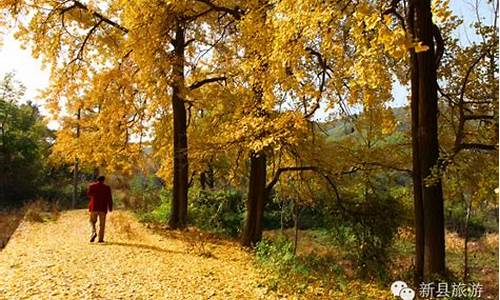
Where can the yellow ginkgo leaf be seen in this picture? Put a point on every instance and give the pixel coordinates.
(419, 47)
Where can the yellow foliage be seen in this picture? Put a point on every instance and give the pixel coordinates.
(112, 61)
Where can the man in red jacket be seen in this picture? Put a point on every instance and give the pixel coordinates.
(100, 203)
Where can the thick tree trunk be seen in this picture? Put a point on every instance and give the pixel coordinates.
(178, 217)
(416, 173)
(76, 164)
(257, 197)
(417, 193)
(432, 195)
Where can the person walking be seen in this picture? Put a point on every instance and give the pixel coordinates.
(100, 203)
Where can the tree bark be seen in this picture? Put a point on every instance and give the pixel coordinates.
(432, 195)
(296, 228)
(203, 181)
(3, 168)
(178, 216)
(76, 165)
(210, 176)
(257, 197)
(207, 178)
(466, 238)
(75, 183)
(416, 172)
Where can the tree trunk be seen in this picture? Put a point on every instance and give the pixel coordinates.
(75, 183)
(416, 173)
(210, 176)
(466, 239)
(76, 165)
(432, 194)
(207, 178)
(282, 226)
(296, 227)
(257, 197)
(178, 217)
(3, 168)
(203, 181)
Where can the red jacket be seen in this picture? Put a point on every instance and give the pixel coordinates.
(100, 197)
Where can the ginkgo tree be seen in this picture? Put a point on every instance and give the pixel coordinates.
(144, 73)
(134, 63)
(296, 59)
(469, 122)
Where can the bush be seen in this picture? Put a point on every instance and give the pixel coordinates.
(277, 254)
(41, 211)
(367, 230)
(297, 272)
(479, 223)
(220, 212)
(280, 211)
(161, 212)
(145, 193)
(217, 211)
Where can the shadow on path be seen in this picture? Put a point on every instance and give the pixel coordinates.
(142, 246)
(9, 221)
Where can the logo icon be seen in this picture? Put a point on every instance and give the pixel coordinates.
(407, 294)
(401, 289)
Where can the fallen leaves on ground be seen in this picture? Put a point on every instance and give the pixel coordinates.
(55, 260)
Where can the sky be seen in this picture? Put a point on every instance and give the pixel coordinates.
(30, 72)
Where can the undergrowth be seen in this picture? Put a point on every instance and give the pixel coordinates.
(41, 210)
(311, 275)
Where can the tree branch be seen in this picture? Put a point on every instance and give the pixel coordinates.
(324, 67)
(439, 44)
(200, 83)
(188, 42)
(78, 4)
(461, 104)
(276, 177)
(394, 11)
(479, 117)
(477, 146)
(377, 164)
(236, 12)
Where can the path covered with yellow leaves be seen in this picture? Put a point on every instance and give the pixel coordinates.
(55, 260)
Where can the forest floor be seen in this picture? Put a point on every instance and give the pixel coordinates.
(54, 259)
(49, 256)
(483, 259)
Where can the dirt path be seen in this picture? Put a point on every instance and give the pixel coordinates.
(54, 260)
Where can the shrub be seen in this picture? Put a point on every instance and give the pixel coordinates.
(479, 222)
(367, 230)
(145, 193)
(41, 211)
(161, 212)
(297, 272)
(277, 254)
(217, 211)
(279, 212)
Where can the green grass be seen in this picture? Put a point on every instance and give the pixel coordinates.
(159, 215)
(323, 263)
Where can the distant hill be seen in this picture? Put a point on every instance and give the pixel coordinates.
(344, 126)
